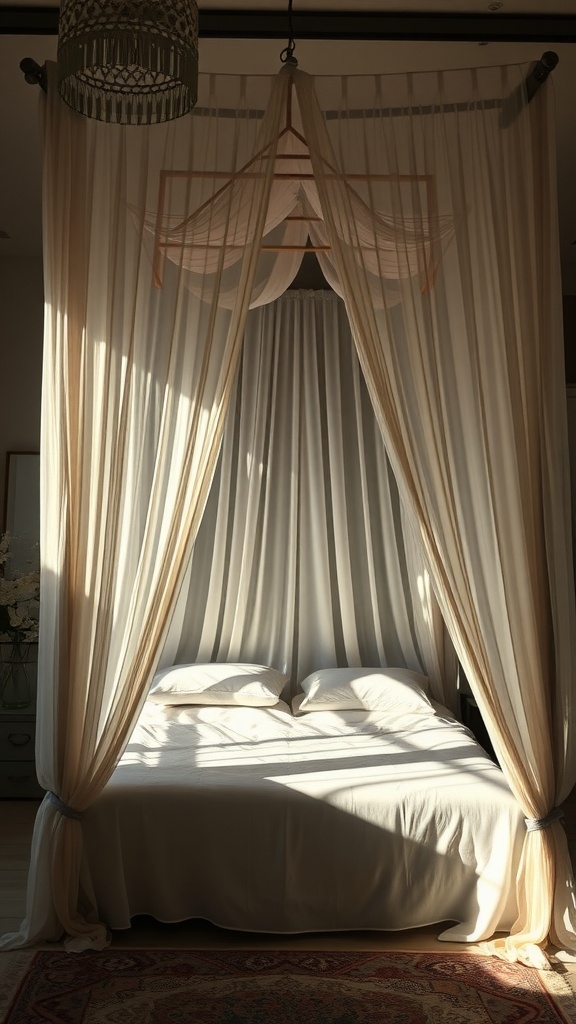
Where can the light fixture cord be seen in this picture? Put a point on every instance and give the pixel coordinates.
(287, 55)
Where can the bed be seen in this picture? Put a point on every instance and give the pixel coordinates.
(326, 815)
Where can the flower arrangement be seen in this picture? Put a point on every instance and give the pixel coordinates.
(19, 601)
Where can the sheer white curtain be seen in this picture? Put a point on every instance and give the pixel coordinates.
(437, 198)
(304, 559)
(137, 375)
(464, 363)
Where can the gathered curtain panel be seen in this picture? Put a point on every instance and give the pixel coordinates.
(430, 199)
(466, 375)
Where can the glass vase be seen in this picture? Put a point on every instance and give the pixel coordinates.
(15, 689)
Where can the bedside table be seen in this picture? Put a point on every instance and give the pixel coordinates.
(471, 717)
(17, 755)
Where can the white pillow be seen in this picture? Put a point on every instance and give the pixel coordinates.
(394, 690)
(255, 686)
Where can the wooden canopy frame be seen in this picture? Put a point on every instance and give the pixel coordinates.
(161, 246)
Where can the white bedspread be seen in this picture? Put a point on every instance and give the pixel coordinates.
(255, 820)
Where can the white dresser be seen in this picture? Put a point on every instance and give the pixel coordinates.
(17, 755)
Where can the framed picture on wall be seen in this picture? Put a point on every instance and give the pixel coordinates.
(22, 510)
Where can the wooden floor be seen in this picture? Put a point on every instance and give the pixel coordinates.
(16, 825)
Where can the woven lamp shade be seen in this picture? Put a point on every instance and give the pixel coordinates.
(126, 61)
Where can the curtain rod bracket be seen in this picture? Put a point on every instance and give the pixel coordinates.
(33, 73)
(539, 73)
(522, 95)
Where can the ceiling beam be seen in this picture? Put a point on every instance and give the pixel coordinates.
(251, 24)
(387, 25)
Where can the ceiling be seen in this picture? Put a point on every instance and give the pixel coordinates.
(478, 36)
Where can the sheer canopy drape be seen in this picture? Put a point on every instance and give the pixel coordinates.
(304, 559)
(466, 373)
(136, 381)
(430, 199)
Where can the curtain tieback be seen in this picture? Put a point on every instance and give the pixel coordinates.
(537, 824)
(64, 809)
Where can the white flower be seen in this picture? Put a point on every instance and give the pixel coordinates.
(4, 548)
(19, 602)
(14, 617)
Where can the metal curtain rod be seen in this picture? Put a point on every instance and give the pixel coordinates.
(35, 74)
(351, 24)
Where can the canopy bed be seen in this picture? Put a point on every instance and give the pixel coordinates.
(365, 806)
(430, 201)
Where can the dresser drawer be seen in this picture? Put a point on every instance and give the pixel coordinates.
(18, 780)
(17, 741)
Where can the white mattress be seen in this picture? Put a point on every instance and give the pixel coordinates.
(255, 820)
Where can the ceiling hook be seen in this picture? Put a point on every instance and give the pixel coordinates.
(287, 55)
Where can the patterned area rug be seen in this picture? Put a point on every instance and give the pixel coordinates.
(286, 987)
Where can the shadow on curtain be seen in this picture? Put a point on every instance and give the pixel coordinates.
(437, 220)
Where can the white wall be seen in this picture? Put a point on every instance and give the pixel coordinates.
(21, 328)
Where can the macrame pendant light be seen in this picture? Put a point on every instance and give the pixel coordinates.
(128, 61)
